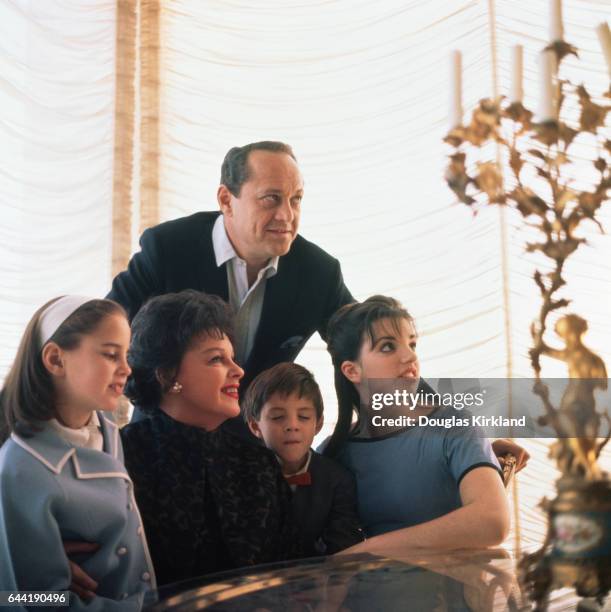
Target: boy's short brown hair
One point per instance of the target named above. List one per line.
(285, 379)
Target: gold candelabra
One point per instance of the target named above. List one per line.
(577, 550)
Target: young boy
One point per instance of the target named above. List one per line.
(283, 407)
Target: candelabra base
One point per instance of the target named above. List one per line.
(577, 551)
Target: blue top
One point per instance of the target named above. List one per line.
(412, 476)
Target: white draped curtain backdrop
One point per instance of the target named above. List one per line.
(360, 90)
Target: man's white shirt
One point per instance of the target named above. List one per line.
(246, 302)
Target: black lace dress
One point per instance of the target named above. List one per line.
(210, 501)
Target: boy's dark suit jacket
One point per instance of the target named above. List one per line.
(299, 300)
(326, 510)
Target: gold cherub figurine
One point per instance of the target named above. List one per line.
(577, 423)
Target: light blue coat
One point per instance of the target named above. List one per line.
(51, 491)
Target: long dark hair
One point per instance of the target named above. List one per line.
(28, 394)
(348, 328)
(164, 329)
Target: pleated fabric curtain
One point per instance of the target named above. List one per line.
(123, 154)
(360, 91)
(136, 156)
(57, 145)
(149, 93)
(125, 114)
(117, 115)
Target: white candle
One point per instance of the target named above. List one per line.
(547, 108)
(455, 89)
(515, 92)
(604, 36)
(556, 31)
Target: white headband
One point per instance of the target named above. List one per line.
(55, 314)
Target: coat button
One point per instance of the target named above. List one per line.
(139, 532)
(146, 576)
(121, 551)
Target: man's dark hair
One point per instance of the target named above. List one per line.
(235, 171)
(164, 329)
(284, 379)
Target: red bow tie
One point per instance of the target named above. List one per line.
(300, 480)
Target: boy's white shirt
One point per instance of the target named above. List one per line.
(304, 469)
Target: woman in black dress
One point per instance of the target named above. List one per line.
(209, 500)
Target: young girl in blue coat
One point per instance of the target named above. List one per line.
(61, 469)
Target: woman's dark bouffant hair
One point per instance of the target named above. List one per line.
(346, 331)
(162, 332)
(28, 394)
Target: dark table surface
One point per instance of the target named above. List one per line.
(418, 581)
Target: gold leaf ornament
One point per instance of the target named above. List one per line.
(589, 203)
(528, 203)
(515, 161)
(490, 181)
(484, 123)
(563, 198)
(536, 153)
(600, 164)
(518, 113)
(560, 250)
(562, 48)
(457, 178)
(547, 132)
(567, 134)
(592, 115)
(456, 136)
(561, 159)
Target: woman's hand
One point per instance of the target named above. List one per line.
(81, 582)
(503, 446)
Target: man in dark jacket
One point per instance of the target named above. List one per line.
(281, 287)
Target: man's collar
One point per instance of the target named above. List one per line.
(223, 249)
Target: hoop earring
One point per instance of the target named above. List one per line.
(176, 387)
